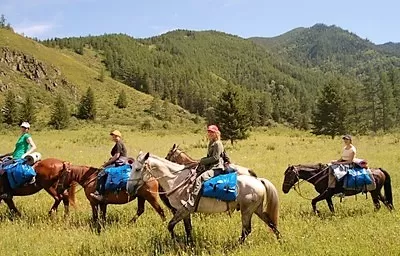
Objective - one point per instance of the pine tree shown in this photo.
(387, 104)
(10, 110)
(102, 74)
(60, 114)
(231, 116)
(330, 115)
(87, 106)
(166, 111)
(28, 113)
(3, 21)
(122, 102)
(155, 107)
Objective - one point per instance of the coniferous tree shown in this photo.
(102, 74)
(10, 110)
(231, 116)
(87, 106)
(60, 114)
(166, 111)
(330, 115)
(387, 105)
(3, 21)
(28, 111)
(122, 101)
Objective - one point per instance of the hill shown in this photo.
(28, 67)
(330, 48)
(191, 69)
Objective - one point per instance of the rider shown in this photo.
(348, 155)
(213, 163)
(118, 157)
(23, 147)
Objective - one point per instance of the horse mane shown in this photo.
(169, 163)
(311, 167)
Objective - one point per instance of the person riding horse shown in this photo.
(213, 164)
(118, 157)
(23, 147)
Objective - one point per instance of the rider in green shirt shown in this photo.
(23, 147)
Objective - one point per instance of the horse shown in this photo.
(318, 176)
(180, 157)
(257, 196)
(49, 176)
(87, 177)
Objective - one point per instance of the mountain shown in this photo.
(28, 67)
(192, 68)
(330, 48)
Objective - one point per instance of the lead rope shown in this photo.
(299, 182)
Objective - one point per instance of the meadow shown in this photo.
(355, 229)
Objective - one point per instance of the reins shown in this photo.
(299, 182)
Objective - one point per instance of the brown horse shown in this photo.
(49, 176)
(87, 177)
(178, 156)
(318, 176)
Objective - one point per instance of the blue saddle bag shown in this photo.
(222, 187)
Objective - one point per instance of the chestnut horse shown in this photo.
(178, 156)
(87, 177)
(49, 176)
(318, 176)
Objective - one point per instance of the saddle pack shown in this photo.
(19, 173)
(222, 187)
(117, 177)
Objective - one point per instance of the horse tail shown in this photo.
(388, 189)
(72, 194)
(271, 205)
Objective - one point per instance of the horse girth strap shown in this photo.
(63, 176)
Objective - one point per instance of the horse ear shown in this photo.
(174, 146)
(146, 156)
(177, 146)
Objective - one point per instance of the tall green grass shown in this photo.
(355, 229)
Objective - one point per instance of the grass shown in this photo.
(355, 229)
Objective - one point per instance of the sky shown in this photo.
(378, 21)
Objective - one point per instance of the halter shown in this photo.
(296, 172)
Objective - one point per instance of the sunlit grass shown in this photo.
(355, 229)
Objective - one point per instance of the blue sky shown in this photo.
(379, 21)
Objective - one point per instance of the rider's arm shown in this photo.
(31, 149)
(115, 156)
(216, 152)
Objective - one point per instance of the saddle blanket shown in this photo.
(117, 177)
(222, 187)
(19, 173)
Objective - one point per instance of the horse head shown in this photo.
(172, 153)
(291, 177)
(136, 178)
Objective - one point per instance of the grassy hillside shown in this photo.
(78, 73)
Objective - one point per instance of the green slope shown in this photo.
(78, 73)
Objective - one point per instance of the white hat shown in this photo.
(25, 125)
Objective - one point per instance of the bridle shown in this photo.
(298, 182)
(176, 152)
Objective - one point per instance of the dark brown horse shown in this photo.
(49, 176)
(87, 177)
(318, 176)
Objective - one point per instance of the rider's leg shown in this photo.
(100, 186)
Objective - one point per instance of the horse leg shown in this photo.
(246, 224)
(152, 199)
(188, 229)
(319, 198)
(103, 210)
(95, 217)
(52, 191)
(140, 209)
(375, 199)
(12, 207)
(330, 204)
(65, 200)
(180, 214)
(265, 218)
